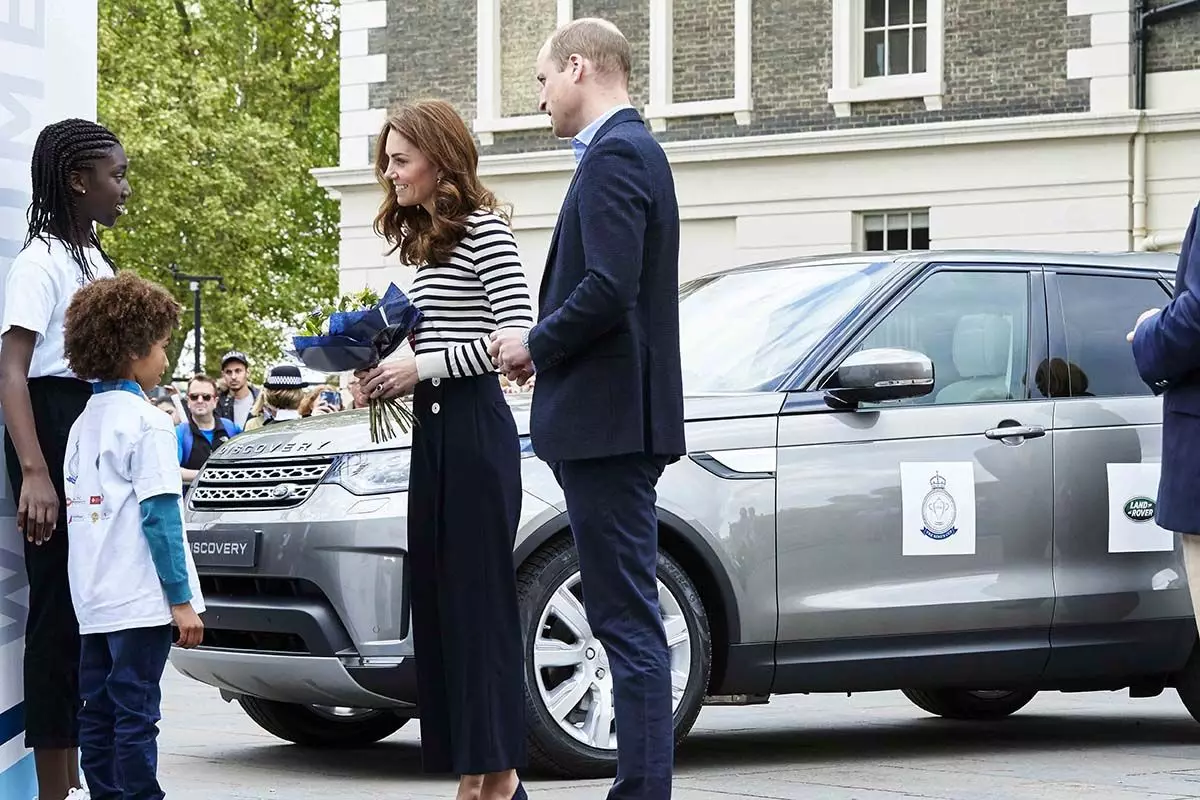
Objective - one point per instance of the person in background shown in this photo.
(348, 400)
(323, 399)
(237, 398)
(199, 436)
(78, 180)
(259, 414)
(131, 572)
(284, 390)
(167, 405)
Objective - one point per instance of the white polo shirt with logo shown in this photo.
(121, 451)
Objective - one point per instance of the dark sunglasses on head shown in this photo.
(204, 397)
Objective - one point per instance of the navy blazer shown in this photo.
(606, 345)
(1167, 350)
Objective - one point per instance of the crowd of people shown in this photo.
(210, 411)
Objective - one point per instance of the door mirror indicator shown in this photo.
(880, 375)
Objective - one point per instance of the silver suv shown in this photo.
(928, 471)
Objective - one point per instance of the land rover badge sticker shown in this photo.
(1132, 489)
(938, 508)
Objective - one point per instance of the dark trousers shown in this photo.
(610, 504)
(51, 664)
(119, 679)
(464, 503)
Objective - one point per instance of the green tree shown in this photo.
(223, 107)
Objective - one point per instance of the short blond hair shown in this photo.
(595, 39)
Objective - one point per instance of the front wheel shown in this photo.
(568, 685)
(321, 726)
(970, 704)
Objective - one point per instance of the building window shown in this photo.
(895, 230)
(508, 38)
(887, 50)
(662, 105)
(894, 37)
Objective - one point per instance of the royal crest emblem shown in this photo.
(938, 510)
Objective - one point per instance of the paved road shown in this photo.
(866, 747)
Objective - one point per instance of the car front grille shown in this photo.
(257, 485)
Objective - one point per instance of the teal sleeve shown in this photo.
(162, 525)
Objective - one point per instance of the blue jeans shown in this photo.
(119, 683)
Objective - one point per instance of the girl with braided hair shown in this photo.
(79, 181)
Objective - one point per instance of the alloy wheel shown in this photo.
(572, 669)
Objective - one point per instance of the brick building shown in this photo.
(804, 126)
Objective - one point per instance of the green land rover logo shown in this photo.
(1140, 509)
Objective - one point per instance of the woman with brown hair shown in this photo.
(464, 495)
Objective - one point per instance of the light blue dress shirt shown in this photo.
(583, 139)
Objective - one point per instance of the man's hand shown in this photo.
(1145, 316)
(37, 511)
(388, 380)
(191, 629)
(510, 356)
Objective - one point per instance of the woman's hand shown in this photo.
(37, 511)
(389, 380)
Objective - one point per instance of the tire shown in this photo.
(970, 704)
(563, 748)
(313, 727)
(1187, 685)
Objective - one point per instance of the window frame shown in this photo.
(489, 115)
(849, 84)
(1036, 324)
(661, 106)
(1057, 316)
(860, 226)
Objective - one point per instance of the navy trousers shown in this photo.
(464, 502)
(610, 504)
(119, 682)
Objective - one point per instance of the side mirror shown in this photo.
(879, 375)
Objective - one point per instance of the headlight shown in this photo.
(372, 473)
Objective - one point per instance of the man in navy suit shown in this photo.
(1166, 347)
(607, 412)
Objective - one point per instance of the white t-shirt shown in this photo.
(242, 406)
(37, 290)
(121, 451)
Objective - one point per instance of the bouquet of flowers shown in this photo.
(356, 333)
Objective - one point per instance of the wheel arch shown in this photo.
(698, 560)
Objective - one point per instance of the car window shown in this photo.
(743, 331)
(974, 326)
(1098, 311)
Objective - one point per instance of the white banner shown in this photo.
(47, 73)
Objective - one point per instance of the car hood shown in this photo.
(349, 432)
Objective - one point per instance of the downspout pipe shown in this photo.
(1143, 18)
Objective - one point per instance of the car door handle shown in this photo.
(1015, 432)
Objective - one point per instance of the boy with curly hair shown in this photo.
(130, 570)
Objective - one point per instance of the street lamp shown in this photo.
(194, 282)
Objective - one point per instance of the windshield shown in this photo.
(743, 331)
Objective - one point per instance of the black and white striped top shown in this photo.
(481, 289)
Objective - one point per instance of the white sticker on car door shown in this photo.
(938, 508)
(1132, 493)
